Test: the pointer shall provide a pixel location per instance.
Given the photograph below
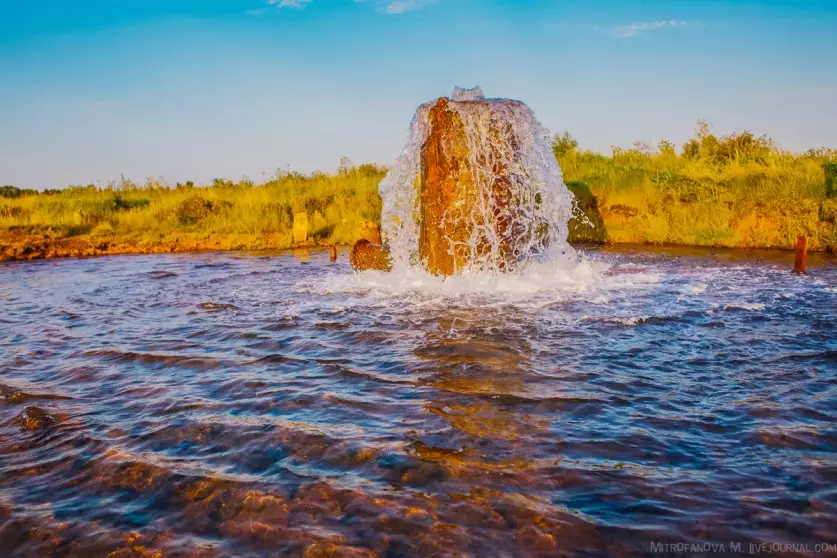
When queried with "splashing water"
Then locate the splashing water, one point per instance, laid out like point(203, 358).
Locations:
point(508, 151)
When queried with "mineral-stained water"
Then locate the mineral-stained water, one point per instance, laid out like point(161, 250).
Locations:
point(506, 136)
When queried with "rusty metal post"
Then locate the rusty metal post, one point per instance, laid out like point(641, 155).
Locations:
point(801, 254)
point(333, 253)
point(376, 231)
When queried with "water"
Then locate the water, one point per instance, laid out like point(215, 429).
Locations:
point(517, 201)
point(244, 404)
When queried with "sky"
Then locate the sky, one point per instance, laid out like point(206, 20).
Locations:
point(94, 90)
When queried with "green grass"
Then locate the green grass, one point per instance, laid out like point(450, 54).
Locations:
point(337, 206)
point(736, 191)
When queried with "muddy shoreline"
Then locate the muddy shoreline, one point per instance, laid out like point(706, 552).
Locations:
point(17, 246)
point(27, 247)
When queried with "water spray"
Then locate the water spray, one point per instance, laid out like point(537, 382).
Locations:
point(476, 189)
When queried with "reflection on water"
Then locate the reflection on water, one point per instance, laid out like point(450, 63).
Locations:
point(302, 254)
point(236, 404)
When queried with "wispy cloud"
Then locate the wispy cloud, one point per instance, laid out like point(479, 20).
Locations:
point(278, 5)
point(634, 29)
point(384, 6)
point(288, 3)
point(403, 6)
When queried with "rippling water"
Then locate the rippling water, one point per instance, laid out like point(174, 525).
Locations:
point(235, 404)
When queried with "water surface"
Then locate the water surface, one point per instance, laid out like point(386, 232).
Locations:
point(245, 404)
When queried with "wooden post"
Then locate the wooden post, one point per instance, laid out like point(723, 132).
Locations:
point(801, 254)
point(333, 253)
point(300, 232)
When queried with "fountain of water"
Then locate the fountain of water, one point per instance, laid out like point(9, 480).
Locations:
point(477, 188)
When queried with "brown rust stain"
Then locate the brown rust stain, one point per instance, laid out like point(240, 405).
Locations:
point(449, 190)
point(446, 179)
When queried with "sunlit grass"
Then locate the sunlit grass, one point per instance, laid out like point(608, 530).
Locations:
point(737, 190)
point(337, 205)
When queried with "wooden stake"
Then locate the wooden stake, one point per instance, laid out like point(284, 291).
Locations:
point(333, 253)
point(300, 230)
point(801, 254)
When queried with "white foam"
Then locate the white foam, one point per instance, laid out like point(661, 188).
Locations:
point(696, 289)
point(463, 94)
point(541, 285)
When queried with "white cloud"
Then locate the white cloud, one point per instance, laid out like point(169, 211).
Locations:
point(384, 6)
point(634, 29)
point(401, 6)
point(297, 4)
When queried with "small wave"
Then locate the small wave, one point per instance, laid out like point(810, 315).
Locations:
point(357, 374)
point(188, 361)
point(160, 274)
point(746, 306)
point(274, 359)
point(799, 437)
point(14, 395)
point(333, 325)
point(699, 288)
point(213, 265)
point(629, 321)
point(692, 289)
point(823, 355)
point(217, 306)
point(632, 321)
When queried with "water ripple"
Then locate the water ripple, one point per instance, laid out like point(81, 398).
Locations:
point(229, 404)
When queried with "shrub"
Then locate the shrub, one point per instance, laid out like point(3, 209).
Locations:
point(9, 192)
point(830, 170)
point(563, 144)
point(14, 212)
point(122, 204)
point(193, 209)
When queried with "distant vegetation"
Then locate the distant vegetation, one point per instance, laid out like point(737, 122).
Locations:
point(338, 206)
point(736, 190)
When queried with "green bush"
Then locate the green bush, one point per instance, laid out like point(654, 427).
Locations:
point(121, 203)
point(9, 192)
point(830, 170)
point(193, 209)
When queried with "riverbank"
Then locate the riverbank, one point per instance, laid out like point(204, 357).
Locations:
point(127, 218)
point(755, 227)
point(22, 246)
point(18, 246)
point(736, 191)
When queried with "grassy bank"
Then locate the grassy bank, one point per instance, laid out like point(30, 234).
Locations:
point(733, 191)
point(128, 218)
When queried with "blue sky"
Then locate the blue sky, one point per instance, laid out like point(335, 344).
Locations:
point(195, 89)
